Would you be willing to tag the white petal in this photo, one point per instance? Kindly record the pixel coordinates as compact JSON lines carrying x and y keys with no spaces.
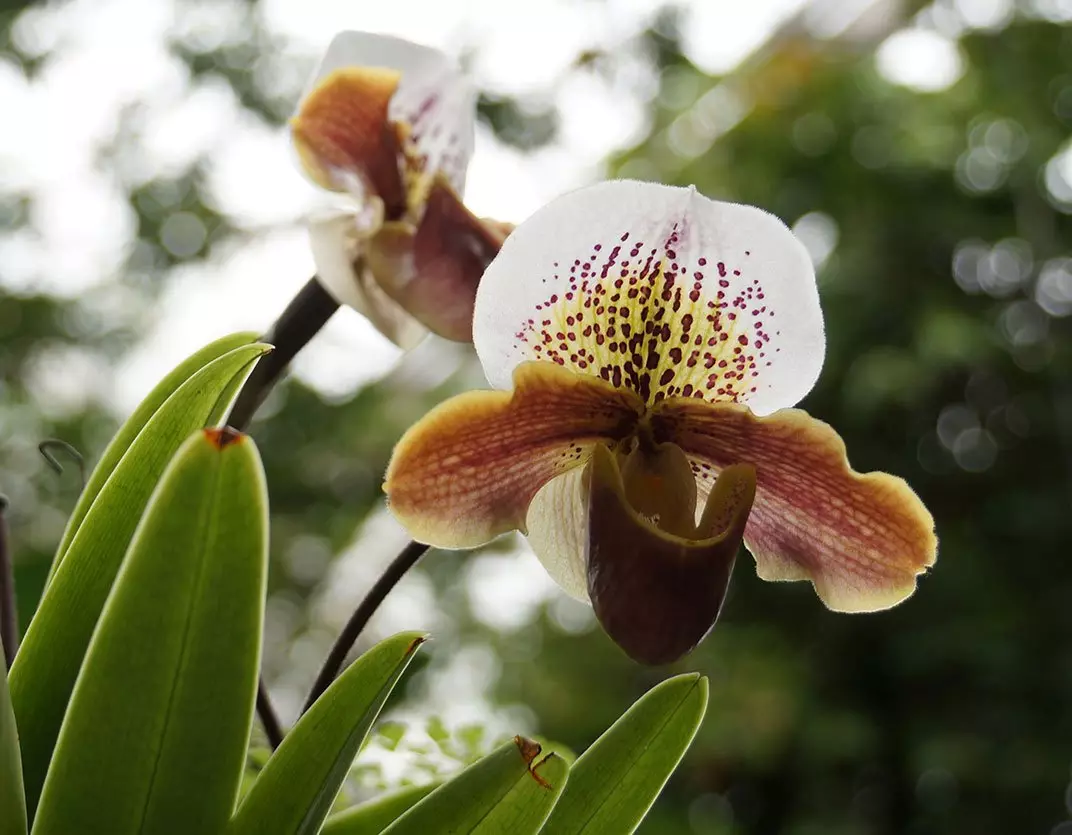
{"x":331,"y":237}
{"x":557,"y":524}
{"x":433,"y":96}
{"x":333,"y":241}
{"x":658,"y":289}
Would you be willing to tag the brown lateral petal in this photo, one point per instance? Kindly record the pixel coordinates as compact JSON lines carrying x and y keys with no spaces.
{"x":658,"y":595}
{"x":467,"y":471}
{"x":342,"y":130}
{"x":433,"y":271}
{"x":860,"y":538}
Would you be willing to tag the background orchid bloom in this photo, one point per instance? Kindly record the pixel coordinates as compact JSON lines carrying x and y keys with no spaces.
{"x":389,"y":124}
{"x":648,"y":341}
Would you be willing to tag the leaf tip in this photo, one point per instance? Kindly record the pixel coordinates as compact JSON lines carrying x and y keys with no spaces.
{"x":223,"y":437}
{"x":415,"y":644}
{"x":692,"y":683}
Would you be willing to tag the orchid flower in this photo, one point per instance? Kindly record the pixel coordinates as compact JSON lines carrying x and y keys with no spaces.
{"x":389,"y":125}
{"x":646,"y":343}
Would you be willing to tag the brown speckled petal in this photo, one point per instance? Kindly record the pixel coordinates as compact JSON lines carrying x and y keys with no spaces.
{"x":658,"y":594}
{"x":467,"y":471}
{"x":433,"y":271}
{"x":861,"y":538}
{"x":345,"y":140}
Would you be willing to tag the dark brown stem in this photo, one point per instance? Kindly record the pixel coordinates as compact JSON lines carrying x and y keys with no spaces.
{"x":272,"y":729}
{"x":360,"y":618}
{"x":9,"y":619}
{"x":302,"y":319}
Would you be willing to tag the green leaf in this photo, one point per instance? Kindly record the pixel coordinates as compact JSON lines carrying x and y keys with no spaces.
{"x":55,"y":643}
{"x":373,"y":817}
{"x":12,"y":798}
{"x":155,"y":736}
{"x":614,"y":783}
{"x":511,"y":790}
{"x":136,"y":422}
{"x":294,"y":792}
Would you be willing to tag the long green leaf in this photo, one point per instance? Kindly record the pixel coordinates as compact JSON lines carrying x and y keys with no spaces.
{"x":136,"y":422}
{"x":614,"y":783}
{"x":373,"y":817}
{"x":511,"y":790}
{"x":294,"y":792}
{"x":155,"y":736}
{"x":55,"y":643}
{"x":12,"y":798}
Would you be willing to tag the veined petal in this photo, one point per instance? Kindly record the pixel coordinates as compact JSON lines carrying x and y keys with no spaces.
{"x":467,"y":471}
{"x":345,"y":140}
{"x":433,"y":98}
{"x":861,"y":539}
{"x":433,"y":271}
{"x":659,"y":290}
{"x":557,"y":530}
{"x":339,"y":268}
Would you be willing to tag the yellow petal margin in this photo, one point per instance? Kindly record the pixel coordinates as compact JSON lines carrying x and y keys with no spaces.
{"x":467,"y":471}
{"x":342,"y":130}
{"x":861,"y":538}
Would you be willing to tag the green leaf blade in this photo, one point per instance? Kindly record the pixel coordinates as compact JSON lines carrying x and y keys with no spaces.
{"x":130,"y":429}
{"x":54,"y":646}
{"x":511,"y":790}
{"x":294,"y":792}
{"x":372,"y":817}
{"x":12,"y":796}
{"x":155,"y":736}
{"x":615,"y":782}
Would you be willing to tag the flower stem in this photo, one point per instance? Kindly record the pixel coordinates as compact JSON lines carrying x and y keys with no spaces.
{"x":299,"y":322}
{"x":394,"y":572}
{"x":272,"y":729}
{"x":9,"y":624}
{"x":302,"y":319}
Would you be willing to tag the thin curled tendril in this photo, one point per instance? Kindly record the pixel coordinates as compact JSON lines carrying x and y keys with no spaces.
{"x":50,"y":446}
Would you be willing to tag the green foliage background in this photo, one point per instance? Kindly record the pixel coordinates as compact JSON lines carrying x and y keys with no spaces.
{"x":948,"y":714}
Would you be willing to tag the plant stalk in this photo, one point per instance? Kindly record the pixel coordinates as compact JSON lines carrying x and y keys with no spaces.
{"x":299,"y":322}
{"x":302,"y":319}
{"x":394,"y":572}
{"x":269,"y":719}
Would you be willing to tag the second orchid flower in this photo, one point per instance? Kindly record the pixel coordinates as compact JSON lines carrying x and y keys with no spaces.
{"x":389,"y":124}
